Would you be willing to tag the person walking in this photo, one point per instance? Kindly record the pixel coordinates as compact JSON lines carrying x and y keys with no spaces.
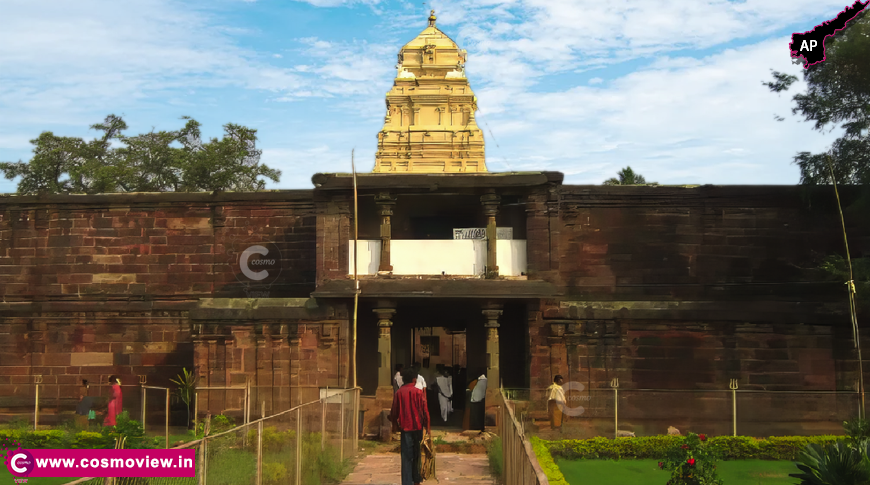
{"x":445,"y":393}
{"x":115,"y":402}
{"x":556,"y":402}
{"x":409,"y":412}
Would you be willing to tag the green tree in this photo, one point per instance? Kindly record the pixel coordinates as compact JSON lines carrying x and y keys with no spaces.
{"x":837,"y":95}
{"x":158,"y":161}
{"x":627,"y":177}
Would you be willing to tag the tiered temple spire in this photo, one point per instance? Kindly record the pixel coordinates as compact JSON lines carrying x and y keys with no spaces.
{"x":430,"y":125}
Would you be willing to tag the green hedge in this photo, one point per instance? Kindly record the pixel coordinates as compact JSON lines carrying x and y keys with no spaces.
{"x":728,"y":447}
{"x":554,"y":475}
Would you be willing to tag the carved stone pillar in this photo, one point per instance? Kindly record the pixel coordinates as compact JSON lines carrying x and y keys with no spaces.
{"x":490,"y":209}
{"x":493,"y":378}
{"x":385,"y":376}
{"x":385,"y":203}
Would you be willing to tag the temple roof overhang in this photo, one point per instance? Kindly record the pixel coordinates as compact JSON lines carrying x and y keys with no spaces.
{"x":344,"y":181}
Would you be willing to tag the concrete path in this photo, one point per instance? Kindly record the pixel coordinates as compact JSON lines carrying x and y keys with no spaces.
{"x":385,"y":469}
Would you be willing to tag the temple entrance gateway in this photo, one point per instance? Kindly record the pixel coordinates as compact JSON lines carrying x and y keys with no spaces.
{"x":470,"y":334}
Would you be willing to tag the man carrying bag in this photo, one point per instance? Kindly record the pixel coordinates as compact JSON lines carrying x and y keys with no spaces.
{"x":410,"y":413}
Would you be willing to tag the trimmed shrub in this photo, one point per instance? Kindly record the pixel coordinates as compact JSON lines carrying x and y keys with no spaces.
{"x":554,"y":475}
{"x":656,"y":447}
{"x":495,"y":453}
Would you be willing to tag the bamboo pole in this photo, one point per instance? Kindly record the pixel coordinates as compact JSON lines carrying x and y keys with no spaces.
{"x":355,"y":265}
{"x":260,"y":450}
{"x":851,"y":290}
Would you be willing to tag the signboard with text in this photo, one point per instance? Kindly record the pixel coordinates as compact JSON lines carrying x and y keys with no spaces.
{"x":480,"y":233}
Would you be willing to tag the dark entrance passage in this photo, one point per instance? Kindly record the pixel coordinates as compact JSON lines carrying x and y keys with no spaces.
{"x":445,"y":334}
{"x":439,"y":335}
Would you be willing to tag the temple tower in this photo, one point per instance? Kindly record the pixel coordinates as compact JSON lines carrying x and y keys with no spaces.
{"x":430,"y":125}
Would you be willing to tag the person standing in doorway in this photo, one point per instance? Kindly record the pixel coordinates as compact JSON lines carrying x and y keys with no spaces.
{"x":409,"y":412}
{"x":445,"y":393}
{"x":556,"y":402}
{"x":421,"y":382}
{"x":115,"y":402}
{"x":477,"y":416}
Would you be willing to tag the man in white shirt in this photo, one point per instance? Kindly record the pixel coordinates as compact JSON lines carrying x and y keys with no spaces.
{"x":478,"y":405}
{"x":397,"y":379}
{"x":556,"y":402}
{"x":421,"y":382}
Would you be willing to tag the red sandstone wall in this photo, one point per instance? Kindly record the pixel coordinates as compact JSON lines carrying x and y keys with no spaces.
{"x":100,"y":285}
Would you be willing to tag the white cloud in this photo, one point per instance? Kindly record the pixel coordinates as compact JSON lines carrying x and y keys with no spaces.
{"x":596,"y":80}
{"x":678,"y":121}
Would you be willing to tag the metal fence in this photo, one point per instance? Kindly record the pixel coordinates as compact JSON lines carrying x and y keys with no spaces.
{"x":308,"y":444}
{"x":520,"y":464}
{"x":602,"y":412}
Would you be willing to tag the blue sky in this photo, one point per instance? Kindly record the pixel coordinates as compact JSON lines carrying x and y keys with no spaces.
{"x":670,"y":87}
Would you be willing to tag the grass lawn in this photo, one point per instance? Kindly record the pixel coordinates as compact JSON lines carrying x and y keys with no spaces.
{"x":6,"y":478}
{"x":643,"y":472}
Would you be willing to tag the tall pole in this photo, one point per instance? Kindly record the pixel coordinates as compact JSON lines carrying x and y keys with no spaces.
{"x":850,"y":285}
{"x":355,"y":265}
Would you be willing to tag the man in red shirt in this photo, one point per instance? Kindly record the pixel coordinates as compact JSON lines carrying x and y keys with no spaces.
{"x":410,"y":413}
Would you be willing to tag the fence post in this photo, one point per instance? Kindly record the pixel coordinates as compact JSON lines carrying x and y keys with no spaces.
{"x":260,"y":449}
{"x":615,"y":385}
{"x":355,"y":433}
{"x":195,"y":411}
{"x":341,"y":432}
{"x":143,"y":406}
{"x":203,"y":467}
{"x":298,"y":445}
{"x":733,"y":386}
{"x":37,"y":380}
{"x":323,"y":421}
{"x":167,"y":418}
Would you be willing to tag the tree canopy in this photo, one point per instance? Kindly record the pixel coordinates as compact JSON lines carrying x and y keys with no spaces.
{"x":837,"y":95}
{"x":157,"y":161}
{"x":627,"y":177}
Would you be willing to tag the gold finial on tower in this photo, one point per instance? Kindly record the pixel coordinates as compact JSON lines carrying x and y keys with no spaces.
{"x":432,"y":18}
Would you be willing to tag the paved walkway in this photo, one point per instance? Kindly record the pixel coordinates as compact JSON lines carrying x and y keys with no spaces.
{"x":385,"y":469}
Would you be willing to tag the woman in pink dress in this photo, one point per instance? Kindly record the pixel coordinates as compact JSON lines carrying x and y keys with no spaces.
{"x":115,"y":402}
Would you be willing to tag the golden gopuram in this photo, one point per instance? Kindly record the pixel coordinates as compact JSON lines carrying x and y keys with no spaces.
{"x":429,"y":126}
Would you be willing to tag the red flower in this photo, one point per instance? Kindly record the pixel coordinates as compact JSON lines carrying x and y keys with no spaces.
{"x":702,"y":437}
{"x":661,"y":465}
{"x":685,"y":447}
{"x":691,"y":461}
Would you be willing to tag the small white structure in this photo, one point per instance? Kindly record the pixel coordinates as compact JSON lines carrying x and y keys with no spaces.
{"x":456,"y":257}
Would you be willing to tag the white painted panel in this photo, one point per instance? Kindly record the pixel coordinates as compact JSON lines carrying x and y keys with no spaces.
{"x":369,"y":256}
{"x":459,"y":257}
{"x":511,"y":257}
{"x":434,"y":256}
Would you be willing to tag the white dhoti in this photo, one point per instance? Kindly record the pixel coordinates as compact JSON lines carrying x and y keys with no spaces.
{"x":445,"y":392}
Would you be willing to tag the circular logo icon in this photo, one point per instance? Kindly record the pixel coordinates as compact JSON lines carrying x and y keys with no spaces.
{"x":259,"y":264}
{"x":21,"y":463}
{"x":569,"y":408}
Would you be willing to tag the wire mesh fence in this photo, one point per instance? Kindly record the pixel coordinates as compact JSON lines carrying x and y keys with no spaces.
{"x":587,"y":413}
{"x":308,"y":444}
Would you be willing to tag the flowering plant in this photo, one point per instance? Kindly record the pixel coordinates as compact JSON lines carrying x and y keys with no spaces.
{"x":691,"y":462}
